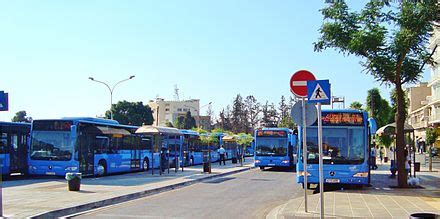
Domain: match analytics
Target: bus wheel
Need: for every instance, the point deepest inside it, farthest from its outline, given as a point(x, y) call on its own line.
point(102, 168)
point(261, 168)
point(146, 164)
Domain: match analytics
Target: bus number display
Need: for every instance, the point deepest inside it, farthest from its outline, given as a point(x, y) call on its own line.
point(342, 119)
point(271, 133)
point(52, 125)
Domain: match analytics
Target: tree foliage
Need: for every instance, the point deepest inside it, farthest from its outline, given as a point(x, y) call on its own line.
point(379, 108)
point(185, 122)
point(431, 136)
point(131, 113)
point(391, 42)
point(21, 116)
point(384, 140)
point(356, 105)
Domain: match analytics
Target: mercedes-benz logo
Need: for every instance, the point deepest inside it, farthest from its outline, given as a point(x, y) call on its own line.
point(332, 173)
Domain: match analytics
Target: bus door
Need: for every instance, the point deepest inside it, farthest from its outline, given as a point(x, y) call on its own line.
point(86, 153)
point(290, 152)
point(135, 161)
point(18, 152)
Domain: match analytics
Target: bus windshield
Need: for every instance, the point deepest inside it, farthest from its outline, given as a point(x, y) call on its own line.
point(340, 145)
point(51, 145)
point(271, 147)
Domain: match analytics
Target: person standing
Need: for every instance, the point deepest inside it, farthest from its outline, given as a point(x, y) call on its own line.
point(221, 151)
point(373, 158)
point(381, 153)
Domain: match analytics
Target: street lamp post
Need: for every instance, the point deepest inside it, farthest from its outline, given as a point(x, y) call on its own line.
point(111, 90)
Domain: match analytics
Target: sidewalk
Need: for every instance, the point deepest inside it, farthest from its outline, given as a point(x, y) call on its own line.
point(50, 197)
point(379, 201)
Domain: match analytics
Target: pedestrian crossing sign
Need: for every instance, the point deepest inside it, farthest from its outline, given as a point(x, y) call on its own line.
point(318, 91)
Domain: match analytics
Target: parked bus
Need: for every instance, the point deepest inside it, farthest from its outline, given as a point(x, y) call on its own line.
point(90, 146)
point(14, 138)
point(275, 147)
point(193, 146)
point(345, 139)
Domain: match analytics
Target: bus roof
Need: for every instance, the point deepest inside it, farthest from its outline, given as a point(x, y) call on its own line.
point(189, 132)
point(277, 129)
point(91, 119)
point(158, 130)
point(342, 111)
point(15, 123)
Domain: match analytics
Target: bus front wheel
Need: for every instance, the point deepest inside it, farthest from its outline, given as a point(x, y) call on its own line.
point(102, 168)
point(146, 164)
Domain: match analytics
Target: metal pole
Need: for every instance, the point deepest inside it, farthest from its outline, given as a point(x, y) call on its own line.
point(321, 175)
point(304, 143)
point(111, 104)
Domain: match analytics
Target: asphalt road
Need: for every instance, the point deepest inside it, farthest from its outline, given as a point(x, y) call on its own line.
point(251, 194)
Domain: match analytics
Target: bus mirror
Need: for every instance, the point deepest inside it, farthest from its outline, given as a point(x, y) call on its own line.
point(73, 131)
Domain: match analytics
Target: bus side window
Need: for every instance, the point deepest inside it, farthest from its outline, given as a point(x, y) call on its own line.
point(3, 143)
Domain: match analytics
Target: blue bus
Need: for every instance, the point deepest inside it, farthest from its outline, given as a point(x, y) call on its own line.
point(14, 138)
point(275, 147)
point(194, 148)
point(345, 139)
point(90, 146)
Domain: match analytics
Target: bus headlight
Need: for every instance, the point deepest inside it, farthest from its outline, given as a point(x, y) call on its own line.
point(301, 173)
point(32, 167)
point(257, 161)
point(71, 168)
point(361, 174)
point(285, 161)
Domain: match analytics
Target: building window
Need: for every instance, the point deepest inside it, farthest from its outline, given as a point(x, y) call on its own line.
point(179, 110)
point(167, 110)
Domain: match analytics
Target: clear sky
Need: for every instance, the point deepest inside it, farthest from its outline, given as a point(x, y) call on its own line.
point(212, 50)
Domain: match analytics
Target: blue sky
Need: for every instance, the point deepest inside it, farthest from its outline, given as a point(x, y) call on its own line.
point(212, 50)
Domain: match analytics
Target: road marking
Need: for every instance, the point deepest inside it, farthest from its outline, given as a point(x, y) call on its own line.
point(299, 83)
point(132, 216)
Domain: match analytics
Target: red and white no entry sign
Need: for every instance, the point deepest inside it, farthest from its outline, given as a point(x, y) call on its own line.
point(298, 82)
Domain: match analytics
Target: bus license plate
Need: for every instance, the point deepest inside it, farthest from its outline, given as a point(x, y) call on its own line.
point(332, 180)
point(50, 173)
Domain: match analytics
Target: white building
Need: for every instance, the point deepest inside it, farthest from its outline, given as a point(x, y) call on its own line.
point(169, 111)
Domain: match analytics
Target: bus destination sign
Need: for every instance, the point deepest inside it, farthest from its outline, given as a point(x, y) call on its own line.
point(349, 119)
point(271, 133)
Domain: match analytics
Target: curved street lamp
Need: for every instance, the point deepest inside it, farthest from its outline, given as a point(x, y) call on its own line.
point(111, 90)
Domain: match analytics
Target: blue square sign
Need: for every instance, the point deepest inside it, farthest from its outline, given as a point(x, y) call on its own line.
point(318, 91)
point(4, 105)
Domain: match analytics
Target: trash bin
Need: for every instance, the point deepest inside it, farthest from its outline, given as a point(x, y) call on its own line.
point(423, 216)
point(417, 166)
point(73, 181)
point(206, 162)
point(385, 159)
point(234, 160)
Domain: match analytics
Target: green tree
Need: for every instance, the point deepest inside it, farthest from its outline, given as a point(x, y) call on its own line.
point(185, 122)
point(131, 113)
point(169, 124)
point(431, 137)
point(21, 116)
point(384, 140)
point(253, 110)
point(379, 108)
point(239, 115)
point(287, 122)
point(356, 105)
point(394, 102)
point(391, 42)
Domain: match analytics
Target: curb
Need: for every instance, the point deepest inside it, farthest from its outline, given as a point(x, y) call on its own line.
point(124, 198)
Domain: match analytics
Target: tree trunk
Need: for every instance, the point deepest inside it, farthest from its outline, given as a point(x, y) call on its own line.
point(400, 137)
point(430, 158)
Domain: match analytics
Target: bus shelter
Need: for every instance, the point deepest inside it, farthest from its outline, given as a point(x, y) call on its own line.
point(231, 147)
point(408, 130)
point(167, 142)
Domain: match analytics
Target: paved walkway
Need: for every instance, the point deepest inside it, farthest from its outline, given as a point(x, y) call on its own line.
point(25, 198)
point(378, 201)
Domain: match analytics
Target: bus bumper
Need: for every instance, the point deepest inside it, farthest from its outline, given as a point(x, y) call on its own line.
point(57, 169)
point(272, 162)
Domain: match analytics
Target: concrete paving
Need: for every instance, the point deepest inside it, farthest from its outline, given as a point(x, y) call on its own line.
point(25, 198)
point(378, 201)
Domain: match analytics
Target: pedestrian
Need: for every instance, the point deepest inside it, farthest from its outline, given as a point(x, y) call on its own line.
point(407, 161)
point(163, 159)
point(381, 153)
point(373, 158)
point(221, 151)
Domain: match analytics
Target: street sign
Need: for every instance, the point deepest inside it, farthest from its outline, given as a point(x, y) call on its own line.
point(297, 114)
point(298, 82)
point(318, 91)
point(4, 106)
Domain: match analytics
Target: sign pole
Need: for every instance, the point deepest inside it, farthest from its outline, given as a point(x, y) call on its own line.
point(304, 143)
point(321, 175)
